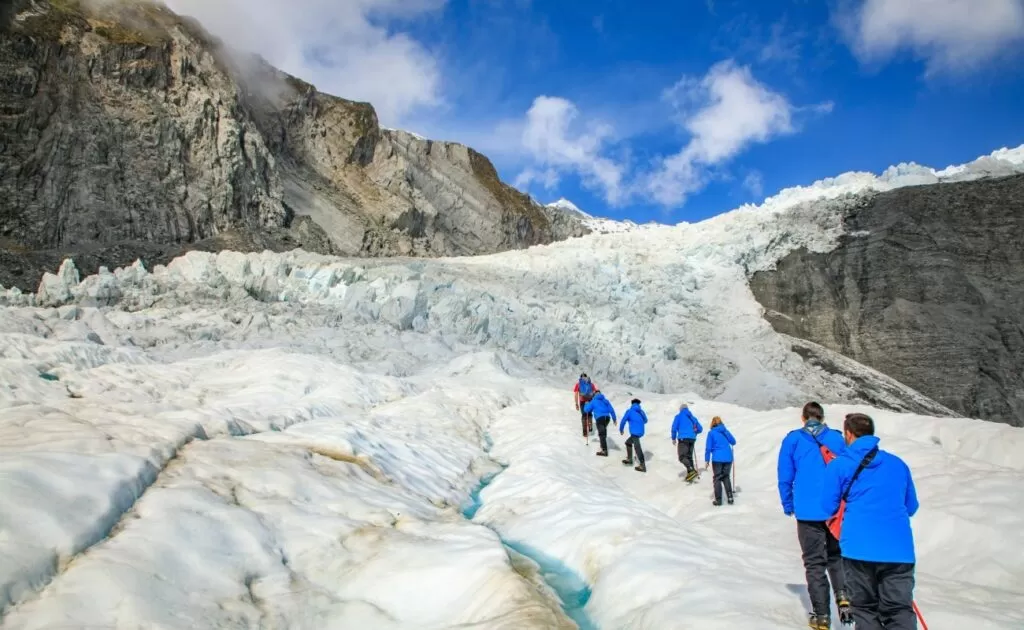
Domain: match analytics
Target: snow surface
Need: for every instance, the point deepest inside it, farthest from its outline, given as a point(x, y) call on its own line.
point(290, 440)
point(199, 483)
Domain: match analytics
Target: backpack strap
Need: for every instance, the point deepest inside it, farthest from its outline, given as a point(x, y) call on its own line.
point(818, 442)
point(863, 464)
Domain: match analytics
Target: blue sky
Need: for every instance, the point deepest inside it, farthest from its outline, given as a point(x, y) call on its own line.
point(664, 111)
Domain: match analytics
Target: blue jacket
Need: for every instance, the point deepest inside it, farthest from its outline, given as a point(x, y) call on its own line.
point(636, 418)
point(801, 470)
point(876, 526)
point(718, 446)
point(601, 407)
point(686, 426)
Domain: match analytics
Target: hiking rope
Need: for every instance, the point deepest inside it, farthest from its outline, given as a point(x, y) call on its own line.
point(920, 617)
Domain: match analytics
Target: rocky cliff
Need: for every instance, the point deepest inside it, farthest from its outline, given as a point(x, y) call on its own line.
point(926, 287)
point(126, 130)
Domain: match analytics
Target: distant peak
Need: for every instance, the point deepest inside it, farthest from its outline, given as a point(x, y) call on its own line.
point(568, 206)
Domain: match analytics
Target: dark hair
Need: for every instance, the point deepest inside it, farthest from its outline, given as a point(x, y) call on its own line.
point(813, 410)
point(635, 401)
point(859, 424)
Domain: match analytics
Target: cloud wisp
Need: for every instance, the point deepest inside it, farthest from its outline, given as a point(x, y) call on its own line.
point(352, 48)
point(951, 36)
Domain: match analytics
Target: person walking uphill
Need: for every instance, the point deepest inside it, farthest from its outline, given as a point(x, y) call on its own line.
point(801, 473)
point(685, 429)
point(583, 392)
point(601, 408)
point(878, 493)
point(637, 419)
point(718, 449)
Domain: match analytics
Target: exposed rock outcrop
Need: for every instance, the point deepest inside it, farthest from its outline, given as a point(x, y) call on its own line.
point(124, 124)
point(927, 287)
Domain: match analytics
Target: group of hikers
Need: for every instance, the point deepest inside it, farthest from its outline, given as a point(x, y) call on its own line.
point(852, 503)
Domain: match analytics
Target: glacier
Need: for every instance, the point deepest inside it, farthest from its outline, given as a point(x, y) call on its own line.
point(293, 440)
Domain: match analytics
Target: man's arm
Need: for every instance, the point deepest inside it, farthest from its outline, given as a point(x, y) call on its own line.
point(675, 427)
point(832, 489)
point(786, 471)
point(911, 498)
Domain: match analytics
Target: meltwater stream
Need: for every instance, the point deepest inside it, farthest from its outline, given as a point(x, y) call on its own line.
point(571, 589)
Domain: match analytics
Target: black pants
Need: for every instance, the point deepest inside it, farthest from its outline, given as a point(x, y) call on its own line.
point(585, 417)
point(881, 594)
point(602, 432)
point(723, 475)
point(685, 449)
point(631, 443)
point(822, 562)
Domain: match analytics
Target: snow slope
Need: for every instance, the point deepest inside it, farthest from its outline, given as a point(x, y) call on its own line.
point(289, 440)
point(202, 483)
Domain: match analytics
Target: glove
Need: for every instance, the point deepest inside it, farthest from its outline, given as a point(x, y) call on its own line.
point(673, 442)
point(788, 511)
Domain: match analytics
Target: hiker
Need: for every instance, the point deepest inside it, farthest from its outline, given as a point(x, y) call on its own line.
point(877, 542)
point(685, 429)
point(718, 449)
point(583, 392)
point(636, 418)
point(601, 408)
point(803, 456)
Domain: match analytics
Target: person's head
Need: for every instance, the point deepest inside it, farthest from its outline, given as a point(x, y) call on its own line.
point(584, 377)
point(813, 413)
point(717, 420)
point(635, 401)
point(857, 425)
point(683, 406)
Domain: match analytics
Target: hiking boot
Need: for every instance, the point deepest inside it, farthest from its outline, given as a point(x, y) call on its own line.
point(716, 502)
point(640, 468)
point(729, 499)
point(819, 622)
point(692, 476)
point(845, 610)
point(627, 462)
point(601, 453)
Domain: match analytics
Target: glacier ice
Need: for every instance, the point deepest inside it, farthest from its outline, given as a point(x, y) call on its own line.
point(291, 440)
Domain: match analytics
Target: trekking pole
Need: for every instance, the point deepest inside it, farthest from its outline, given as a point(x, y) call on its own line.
point(917, 611)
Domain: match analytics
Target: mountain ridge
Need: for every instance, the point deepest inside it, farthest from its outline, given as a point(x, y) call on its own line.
point(127, 124)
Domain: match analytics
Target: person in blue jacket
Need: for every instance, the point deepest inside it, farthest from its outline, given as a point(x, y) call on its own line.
point(685, 429)
point(876, 537)
point(801, 473)
point(718, 449)
point(636, 419)
point(601, 408)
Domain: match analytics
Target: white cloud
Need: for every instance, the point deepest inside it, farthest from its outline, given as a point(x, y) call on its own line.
point(351, 48)
point(725, 112)
point(950, 35)
point(754, 183)
point(557, 142)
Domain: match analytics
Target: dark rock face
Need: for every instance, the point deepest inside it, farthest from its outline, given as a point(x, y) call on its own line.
point(124, 125)
point(927, 287)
